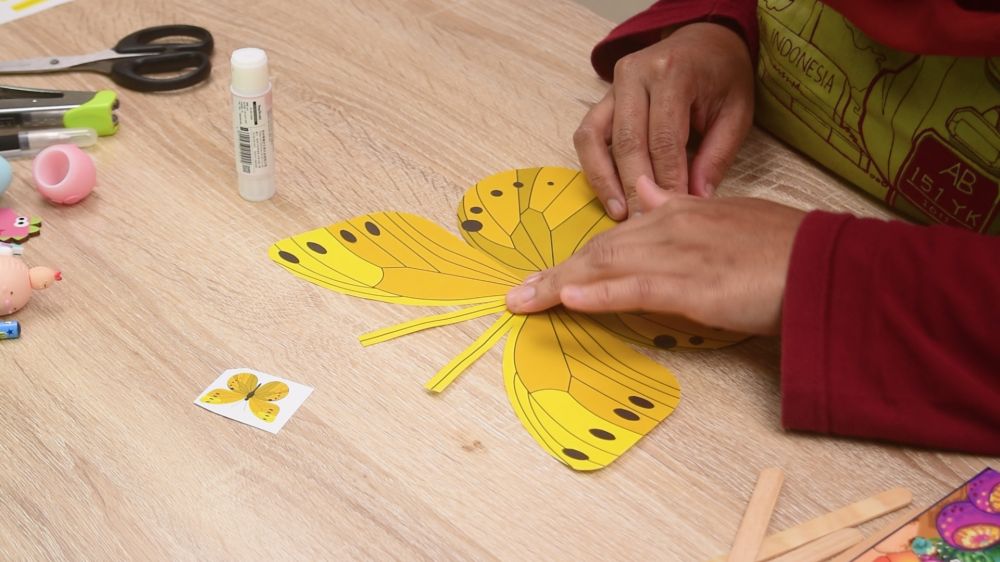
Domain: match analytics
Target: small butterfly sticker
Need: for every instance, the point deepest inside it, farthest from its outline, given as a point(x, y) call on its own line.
point(253, 398)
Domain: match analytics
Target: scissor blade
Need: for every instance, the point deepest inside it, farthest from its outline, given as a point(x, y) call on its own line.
point(55, 64)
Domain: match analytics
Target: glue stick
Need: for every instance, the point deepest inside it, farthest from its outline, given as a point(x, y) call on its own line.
point(253, 129)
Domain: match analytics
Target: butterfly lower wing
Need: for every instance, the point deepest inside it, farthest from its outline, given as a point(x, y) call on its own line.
point(266, 411)
point(394, 257)
point(583, 394)
point(667, 331)
point(263, 404)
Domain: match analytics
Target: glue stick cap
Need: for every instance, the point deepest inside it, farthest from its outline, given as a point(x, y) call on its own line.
point(250, 73)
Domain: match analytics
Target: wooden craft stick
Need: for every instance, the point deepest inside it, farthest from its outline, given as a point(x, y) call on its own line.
point(824, 548)
point(848, 516)
point(878, 536)
point(757, 516)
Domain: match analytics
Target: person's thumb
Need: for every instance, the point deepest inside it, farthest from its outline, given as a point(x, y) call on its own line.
point(650, 195)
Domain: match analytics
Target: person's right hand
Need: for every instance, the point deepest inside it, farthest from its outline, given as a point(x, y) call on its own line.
point(699, 77)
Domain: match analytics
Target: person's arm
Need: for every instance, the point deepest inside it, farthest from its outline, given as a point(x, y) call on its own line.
point(892, 331)
point(889, 330)
point(646, 28)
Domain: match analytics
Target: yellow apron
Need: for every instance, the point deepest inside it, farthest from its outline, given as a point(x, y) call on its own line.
point(921, 133)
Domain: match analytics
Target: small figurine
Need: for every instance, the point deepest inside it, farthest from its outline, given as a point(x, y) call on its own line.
point(17, 228)
point(17, 281)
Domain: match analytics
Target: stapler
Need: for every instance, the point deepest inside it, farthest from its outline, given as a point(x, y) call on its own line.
point(28, 108)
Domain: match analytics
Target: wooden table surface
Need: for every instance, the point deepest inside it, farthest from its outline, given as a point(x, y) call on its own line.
point(379, 104)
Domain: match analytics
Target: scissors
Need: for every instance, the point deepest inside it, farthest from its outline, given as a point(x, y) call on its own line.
point(132, 62)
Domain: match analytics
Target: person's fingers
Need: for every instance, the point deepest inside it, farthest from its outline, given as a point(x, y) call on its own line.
point(621, 294)
point(669, 129)
point(650, 195)
point(718, 149)
point(616, 253)
point(541, 291)
point(591, 141)
point(629, 135)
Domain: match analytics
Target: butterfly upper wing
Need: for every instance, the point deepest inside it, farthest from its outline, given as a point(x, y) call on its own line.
point(272, 391)
point(238, 387)
point(531, 219)
point(394, 257)
point(243, 383)
point(583, 394)
point(222, 396)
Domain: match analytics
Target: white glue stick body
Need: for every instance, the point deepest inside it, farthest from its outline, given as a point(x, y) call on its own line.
point(253, 128)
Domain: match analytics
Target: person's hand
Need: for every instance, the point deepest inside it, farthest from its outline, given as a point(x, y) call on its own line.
point(719, 261)
point(699, 77)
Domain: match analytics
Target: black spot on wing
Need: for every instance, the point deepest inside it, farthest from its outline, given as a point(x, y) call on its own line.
point(574, 454)
point(626, 414)
point(601, 434)
point(664, 341)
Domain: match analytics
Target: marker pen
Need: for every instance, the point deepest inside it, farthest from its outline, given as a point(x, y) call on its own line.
point(253, 129)
point(27, 143)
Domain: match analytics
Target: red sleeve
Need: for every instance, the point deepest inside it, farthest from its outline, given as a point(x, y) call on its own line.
point(644, 29)
point(956, 28)
point(890, 331)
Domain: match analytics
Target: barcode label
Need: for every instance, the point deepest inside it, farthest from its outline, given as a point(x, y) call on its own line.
point(252, 138)
point(245, 157)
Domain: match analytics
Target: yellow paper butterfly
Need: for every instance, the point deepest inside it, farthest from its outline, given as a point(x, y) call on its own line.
point(581, 391)
point(244, 386)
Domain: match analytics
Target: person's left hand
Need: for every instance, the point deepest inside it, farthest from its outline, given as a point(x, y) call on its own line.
point(721, 262)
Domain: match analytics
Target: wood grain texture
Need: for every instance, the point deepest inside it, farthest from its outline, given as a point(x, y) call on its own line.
point(379, 104)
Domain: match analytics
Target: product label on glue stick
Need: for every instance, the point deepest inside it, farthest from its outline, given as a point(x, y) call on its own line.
point(254, 134)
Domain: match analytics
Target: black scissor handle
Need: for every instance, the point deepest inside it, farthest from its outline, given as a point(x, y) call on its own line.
point(134, 73)
point(142, 41)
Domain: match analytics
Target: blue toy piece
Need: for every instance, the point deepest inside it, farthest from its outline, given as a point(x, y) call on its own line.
point(5, 174)
point(10, 329)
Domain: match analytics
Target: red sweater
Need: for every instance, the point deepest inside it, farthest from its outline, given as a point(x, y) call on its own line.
point(890, 331)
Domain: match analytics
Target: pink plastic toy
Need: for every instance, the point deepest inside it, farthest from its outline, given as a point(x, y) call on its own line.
point(64, 174)
point(17, 228)
point(17, 281)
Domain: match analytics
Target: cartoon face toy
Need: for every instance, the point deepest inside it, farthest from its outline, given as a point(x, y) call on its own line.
point(17, 228)
point(17, 281)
